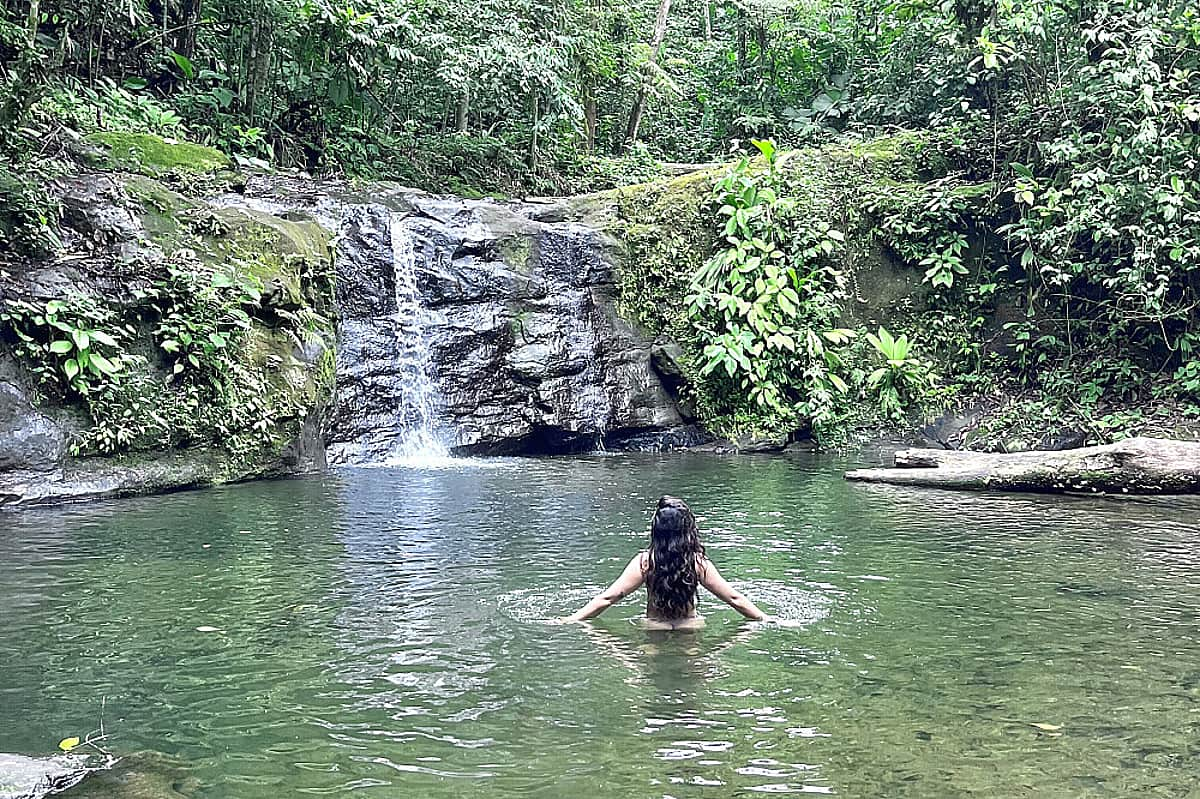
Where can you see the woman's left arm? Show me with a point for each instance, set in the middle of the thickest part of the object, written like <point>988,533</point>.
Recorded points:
<point>630,580</point>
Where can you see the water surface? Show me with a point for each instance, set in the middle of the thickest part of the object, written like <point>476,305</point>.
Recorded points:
<point>377,632</point>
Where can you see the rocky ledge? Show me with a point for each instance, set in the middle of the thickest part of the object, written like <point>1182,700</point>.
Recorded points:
<point>196,329</point>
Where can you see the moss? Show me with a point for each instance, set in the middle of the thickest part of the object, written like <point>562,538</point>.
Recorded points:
<point>162,210</point>
<point>291,381</point>
<point>277,252</point>
<point>515,252</point>
<point>147,154</point>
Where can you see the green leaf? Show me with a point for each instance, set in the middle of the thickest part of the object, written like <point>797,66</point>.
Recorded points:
<point>104,364</point>
<point>104,338</point>
<point>82,339</point>
<point>71,368</point>
<point>184,63</point>
<point>61,346</point>
<point>765,146</point>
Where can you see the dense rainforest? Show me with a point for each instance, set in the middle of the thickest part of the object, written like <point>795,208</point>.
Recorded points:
<point>1035,164</point>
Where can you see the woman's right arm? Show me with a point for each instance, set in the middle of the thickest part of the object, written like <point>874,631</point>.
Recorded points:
<point>711,579</point>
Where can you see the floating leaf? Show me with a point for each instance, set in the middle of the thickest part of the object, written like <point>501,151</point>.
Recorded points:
<point>67,744</point>
<point>1046,727</point>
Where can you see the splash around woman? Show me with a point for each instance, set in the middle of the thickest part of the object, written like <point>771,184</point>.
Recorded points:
<point>672,568</point>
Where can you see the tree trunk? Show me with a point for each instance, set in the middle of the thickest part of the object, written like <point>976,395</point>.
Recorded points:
<point>460,111</point>
<point>589,118</point>
<point>35,18</point>
<point>189,21</point>
<point>741,44</point>
<point>531,159</point>
<point>1132,466</point>
<point>639,103</point>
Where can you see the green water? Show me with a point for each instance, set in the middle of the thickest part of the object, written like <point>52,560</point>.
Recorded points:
<point>377,634</point>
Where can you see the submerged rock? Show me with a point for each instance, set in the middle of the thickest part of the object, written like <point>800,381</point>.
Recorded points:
<point>23,777</point>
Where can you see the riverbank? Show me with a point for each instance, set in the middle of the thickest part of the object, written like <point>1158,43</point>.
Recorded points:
<point>198,325</point>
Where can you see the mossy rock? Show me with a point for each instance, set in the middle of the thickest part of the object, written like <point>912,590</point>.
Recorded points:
<point>155,156</point>
<point>275,251</point>
<point>162,211</point>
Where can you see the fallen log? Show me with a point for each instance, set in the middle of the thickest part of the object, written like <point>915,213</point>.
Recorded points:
<point>1132,466</point>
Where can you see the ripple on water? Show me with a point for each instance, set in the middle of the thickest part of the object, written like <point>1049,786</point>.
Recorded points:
<point>533,605</point>
<point>787,601</point>
<point>438,463</point>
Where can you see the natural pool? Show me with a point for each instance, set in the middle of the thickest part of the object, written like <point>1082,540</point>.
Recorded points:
<point>375,632</point>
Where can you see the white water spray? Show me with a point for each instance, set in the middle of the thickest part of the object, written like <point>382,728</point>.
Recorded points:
<point>419,442</point>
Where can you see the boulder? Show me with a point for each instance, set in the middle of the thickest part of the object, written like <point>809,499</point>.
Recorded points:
<point>519,323</point>
<point>122,233</point>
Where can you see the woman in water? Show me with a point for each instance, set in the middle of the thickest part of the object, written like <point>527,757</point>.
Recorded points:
<point>672,568</point>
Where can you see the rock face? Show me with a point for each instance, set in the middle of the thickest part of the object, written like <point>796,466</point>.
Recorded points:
<point>491,327</point>
<point>524,346</point>
<point>152,428</point>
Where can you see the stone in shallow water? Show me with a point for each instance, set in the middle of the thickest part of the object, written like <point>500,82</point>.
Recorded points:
<point>23,777</point>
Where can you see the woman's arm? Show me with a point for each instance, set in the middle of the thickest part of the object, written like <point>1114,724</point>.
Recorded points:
<point>629,581</point>
<point>711,579</point>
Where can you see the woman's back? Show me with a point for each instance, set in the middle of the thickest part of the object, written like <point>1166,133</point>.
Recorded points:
<point>672,564</point>
<point>672,568</point>
<point>671,614</point>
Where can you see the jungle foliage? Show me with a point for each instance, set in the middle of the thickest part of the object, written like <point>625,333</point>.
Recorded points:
<point>1057,187</point>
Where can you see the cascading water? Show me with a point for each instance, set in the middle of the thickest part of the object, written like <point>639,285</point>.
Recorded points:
<point>420,440</point>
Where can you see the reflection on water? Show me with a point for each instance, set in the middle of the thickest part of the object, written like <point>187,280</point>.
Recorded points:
<point>379,631</point>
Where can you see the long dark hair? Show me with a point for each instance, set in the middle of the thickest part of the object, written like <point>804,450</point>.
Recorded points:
<point>672,563</point>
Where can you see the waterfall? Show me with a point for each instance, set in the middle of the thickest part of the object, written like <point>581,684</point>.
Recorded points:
<point>418,401</point>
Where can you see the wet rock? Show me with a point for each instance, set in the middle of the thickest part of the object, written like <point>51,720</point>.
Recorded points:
<point>144,775</point>
<point>752,444</point>
<point>28,438</point>
<point>1059,440</point>
<point>23,777</point>
<point>665,357</point>
<point>517,315</point>
<point>524,342</point>
<point>802,445</point>
<point>950,429</point>
<point>118,231</point>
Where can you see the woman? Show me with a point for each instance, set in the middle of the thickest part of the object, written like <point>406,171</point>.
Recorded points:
<point>672,568</point>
